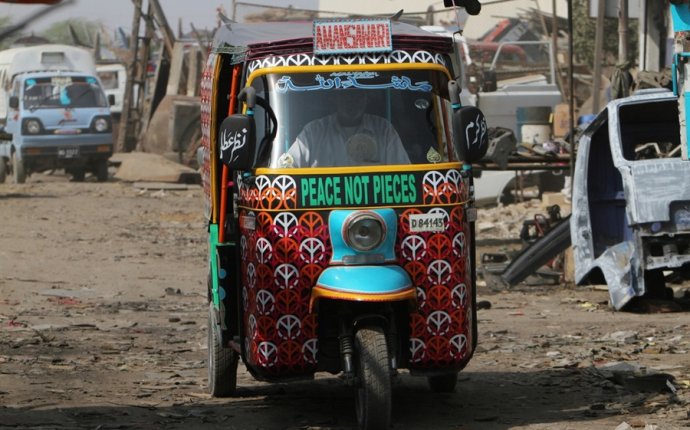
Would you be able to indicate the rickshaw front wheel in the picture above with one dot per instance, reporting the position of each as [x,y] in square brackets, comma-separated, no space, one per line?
[444,383]
[373,401]
[222,362]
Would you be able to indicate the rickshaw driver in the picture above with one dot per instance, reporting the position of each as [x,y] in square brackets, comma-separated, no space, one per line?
[347,137]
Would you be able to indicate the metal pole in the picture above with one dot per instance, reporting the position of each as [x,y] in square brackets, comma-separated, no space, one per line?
[622,31]
[554,48]
[598,50]
[571,91]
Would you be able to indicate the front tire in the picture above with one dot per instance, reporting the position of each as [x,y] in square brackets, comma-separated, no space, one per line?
[373,401]
[222,362]
[18,169]
[102,170]
[78,175]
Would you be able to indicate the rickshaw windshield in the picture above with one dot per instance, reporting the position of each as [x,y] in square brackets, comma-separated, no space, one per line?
[358,118]
[63,92]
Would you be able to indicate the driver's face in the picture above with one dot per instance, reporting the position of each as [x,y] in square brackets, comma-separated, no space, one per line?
[351,105]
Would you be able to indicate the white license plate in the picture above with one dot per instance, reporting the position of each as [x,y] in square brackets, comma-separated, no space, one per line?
[420,223]
[71,152]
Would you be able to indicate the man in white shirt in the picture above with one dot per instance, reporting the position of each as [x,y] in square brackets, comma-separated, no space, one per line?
[348,137]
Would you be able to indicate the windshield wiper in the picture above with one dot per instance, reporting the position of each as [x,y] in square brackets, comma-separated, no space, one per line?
[40,102]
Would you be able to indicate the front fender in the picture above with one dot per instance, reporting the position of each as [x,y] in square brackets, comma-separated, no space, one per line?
[364,284]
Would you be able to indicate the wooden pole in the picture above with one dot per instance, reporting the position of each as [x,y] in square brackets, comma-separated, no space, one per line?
[123,137]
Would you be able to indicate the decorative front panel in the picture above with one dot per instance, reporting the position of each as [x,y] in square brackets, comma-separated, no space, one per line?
[285,246]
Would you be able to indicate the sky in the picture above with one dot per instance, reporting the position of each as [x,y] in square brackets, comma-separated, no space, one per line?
[202,13]
[119,13]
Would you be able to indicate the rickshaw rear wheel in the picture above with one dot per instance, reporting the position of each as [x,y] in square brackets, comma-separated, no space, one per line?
[373,401]
[222,362]
[444,383]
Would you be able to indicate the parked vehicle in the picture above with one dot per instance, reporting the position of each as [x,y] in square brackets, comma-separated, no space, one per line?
[53,105]
[631,201]
[356,258]
[113,77]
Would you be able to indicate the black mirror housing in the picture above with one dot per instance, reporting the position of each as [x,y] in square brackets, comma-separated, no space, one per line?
[237,142]
[14,102]
[470,134]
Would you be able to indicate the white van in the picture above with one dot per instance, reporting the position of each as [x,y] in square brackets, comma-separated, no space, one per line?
[113,78]
[53,105]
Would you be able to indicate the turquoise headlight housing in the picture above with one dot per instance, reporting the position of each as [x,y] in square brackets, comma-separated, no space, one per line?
[363,236]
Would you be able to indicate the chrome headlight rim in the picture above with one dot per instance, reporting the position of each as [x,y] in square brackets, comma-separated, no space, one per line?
[101,125]
[33,126]
[350,230]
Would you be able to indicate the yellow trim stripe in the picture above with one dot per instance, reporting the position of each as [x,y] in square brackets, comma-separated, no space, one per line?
[321,292]
[347,68]
[212,141]
[313,171]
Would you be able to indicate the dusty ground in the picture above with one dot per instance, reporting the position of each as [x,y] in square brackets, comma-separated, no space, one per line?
[103,326]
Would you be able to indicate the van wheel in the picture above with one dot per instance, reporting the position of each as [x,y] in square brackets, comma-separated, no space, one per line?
[18,169]
[373,401]
[222,361]
[102,170]
[78,175]
[3,170]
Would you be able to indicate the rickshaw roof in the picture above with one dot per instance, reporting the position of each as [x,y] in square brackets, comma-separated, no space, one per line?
[256,40]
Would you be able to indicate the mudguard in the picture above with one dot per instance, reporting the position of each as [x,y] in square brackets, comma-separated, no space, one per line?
[364,284]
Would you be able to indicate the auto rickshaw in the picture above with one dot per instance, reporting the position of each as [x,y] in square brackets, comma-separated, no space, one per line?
[355,258]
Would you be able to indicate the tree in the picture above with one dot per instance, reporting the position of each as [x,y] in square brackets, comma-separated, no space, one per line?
[584,28]
[85,31]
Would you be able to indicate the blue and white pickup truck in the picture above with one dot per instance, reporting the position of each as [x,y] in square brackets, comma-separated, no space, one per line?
[53,105]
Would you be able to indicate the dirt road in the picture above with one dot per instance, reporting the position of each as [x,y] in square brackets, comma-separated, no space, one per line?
[103,326]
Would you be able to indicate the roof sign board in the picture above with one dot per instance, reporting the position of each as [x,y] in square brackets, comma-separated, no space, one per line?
[352,36]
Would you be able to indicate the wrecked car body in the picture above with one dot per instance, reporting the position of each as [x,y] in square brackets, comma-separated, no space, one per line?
[631,198]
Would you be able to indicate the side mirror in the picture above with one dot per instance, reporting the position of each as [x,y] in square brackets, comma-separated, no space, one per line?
[111,99]
[237,135]
[237,139]
[470,134]
[14,102]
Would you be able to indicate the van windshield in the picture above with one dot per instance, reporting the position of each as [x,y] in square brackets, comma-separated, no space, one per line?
[63,92]
[359,118]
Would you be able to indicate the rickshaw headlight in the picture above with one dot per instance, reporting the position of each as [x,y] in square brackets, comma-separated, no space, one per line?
[365,231]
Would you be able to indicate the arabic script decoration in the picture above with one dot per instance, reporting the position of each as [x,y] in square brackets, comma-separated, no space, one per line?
[404,83]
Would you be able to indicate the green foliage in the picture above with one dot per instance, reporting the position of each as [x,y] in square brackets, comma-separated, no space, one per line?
[60,32]
[584,38]
[5,21]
